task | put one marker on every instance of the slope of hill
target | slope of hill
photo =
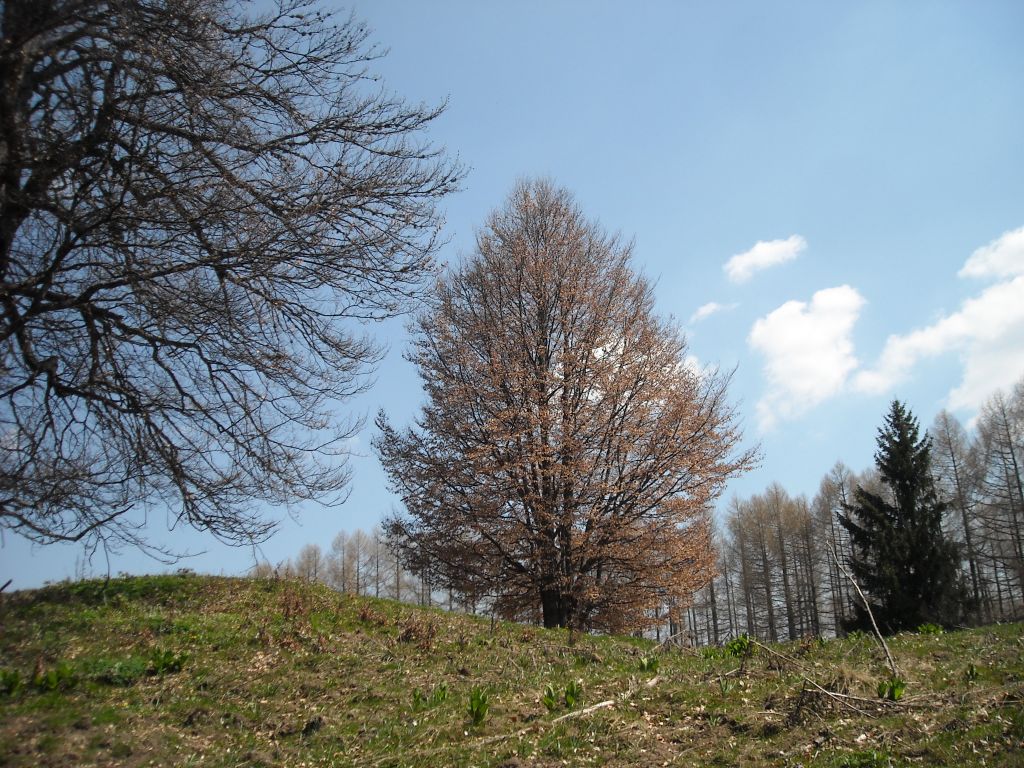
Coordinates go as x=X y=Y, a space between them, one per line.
x=188 y=670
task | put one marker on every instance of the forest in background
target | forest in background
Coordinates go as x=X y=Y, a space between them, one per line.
x=777 y=578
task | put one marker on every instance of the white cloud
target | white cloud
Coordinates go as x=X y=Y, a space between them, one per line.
x=706 y=310
x=987 y=332
x=1003 y=257
x=808 y=352
x=764 y=254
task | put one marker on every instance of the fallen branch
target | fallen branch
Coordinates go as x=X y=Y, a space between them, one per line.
x=585 y=711
x=878 y=635
x=842 y=698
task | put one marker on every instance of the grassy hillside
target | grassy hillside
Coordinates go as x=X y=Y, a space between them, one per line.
x=187 y=670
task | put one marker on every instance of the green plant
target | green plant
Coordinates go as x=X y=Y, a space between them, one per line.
x=10 y=682
x=971 y=673
x=740 y=647
x=573 y=693
x=710 y=653
x=930 y=629
x=419 y=701
x=892 y=688
x=479 y=703
x=164 y=661
x=123 y=672
x=725 y=685
x=439 y=694
x=550 y=698
x=60 y=677
x=869 y=758
x=649 y=663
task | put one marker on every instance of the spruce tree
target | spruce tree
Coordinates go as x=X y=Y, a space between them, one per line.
x=906 y=567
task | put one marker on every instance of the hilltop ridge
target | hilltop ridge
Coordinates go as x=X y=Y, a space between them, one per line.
x=196 y=670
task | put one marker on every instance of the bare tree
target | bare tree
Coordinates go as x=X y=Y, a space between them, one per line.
x=1001 y=444
x=198 y=209
x=957 y=476
x=309 y=563
x=567 y=457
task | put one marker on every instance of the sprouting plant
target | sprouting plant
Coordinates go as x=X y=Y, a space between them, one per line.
x=971 y=674
x=550 y=698
x=419 y=701
x=573 y=693
x=725 y=685
x=892 y=688
x=60 y=677
x=439 y=694
x=122 y=672
x=930 y=629
x=710 y=652
x=164 y=661
x=740 y=647
x=649 y=663
x=10 y=682
x=478 y=705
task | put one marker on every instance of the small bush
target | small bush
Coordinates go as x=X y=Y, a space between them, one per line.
x=478 y=705
x=930 y=629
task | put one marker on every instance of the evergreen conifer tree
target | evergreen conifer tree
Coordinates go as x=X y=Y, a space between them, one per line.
x=906 y=567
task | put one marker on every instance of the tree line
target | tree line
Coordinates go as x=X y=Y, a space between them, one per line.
x=777 y=577
x=362 y=562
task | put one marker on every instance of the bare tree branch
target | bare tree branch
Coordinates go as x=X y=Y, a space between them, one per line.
x=199 y=210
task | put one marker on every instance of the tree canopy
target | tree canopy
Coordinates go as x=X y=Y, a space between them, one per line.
x=568 y=455
x=901 y=558
x=198 y=209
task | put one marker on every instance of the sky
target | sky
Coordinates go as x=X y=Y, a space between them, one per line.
x=828 y=196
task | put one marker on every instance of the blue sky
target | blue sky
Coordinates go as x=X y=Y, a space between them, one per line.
x=859 y=164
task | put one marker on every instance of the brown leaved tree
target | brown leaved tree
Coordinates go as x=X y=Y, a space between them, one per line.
x=568 y=456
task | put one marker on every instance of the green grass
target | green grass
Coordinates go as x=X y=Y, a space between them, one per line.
x=189 y=670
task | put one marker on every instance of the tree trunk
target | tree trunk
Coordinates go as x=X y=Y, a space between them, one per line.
x=555 y=608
